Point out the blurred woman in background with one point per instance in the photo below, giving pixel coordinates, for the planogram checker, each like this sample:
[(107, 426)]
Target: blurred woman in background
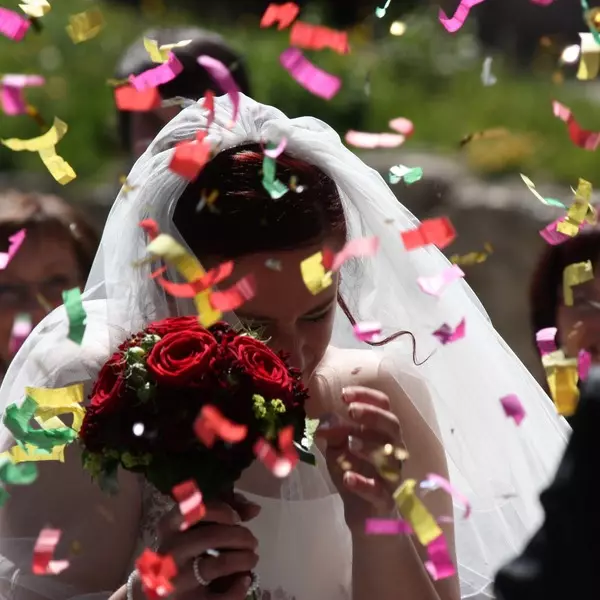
[(138, 129), (56, 255)]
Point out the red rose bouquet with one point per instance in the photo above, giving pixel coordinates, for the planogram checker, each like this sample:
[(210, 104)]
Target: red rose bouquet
[(178, 402)]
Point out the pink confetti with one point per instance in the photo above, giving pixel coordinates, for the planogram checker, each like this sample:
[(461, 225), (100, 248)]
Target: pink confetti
[(434, 482), (15, 243), (439, 565), (367, 331), (233, 297), (13, 25), (584, 364), (387, 527), (513, 407), (403, 126), (318, 82), (583, 138), (276, 152), (190, 503), (11, 92), (542, 2), (157, 75), (44, 551), (545, 340), (447, 335), (460, 16), (353, 249), (363, 139), (554, 237), (21, 329), (220, 73), (280, 465), (435, 285)]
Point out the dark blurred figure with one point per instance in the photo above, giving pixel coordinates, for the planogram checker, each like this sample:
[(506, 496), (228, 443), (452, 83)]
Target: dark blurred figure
[(56, 255), (561, 560), (578, 325), (138, 129)]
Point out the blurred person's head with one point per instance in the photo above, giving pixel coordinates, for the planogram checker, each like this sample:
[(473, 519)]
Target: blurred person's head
[(56, 255), (578, 326), (138, 129)]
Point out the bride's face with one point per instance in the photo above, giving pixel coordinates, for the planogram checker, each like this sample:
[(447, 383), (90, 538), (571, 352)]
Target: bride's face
[(292, 319)]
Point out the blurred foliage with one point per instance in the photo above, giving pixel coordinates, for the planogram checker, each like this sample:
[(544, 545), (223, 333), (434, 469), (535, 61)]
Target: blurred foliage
[(427, 75)]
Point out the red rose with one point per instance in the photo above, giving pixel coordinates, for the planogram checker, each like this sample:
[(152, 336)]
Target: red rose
[(174, 324), (109, 384), (269, 372), (181, 358)]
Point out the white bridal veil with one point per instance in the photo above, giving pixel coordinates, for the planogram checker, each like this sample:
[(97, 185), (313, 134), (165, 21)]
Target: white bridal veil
[(500, 467)]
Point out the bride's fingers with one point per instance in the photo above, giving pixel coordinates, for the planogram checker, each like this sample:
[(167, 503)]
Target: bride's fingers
[(357, 393), (373, 490), (375, 420), (215, 513), (237, 591)]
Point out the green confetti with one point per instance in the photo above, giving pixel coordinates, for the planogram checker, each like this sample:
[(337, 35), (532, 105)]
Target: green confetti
[(76, 314), (276, 188), (11, 474), (17, 420), (381, 10), (407, 174)]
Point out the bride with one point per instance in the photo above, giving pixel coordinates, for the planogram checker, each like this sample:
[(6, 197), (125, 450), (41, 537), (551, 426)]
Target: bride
[(305, 536)]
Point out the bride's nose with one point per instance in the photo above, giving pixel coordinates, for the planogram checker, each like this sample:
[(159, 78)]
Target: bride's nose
[(292, 345)]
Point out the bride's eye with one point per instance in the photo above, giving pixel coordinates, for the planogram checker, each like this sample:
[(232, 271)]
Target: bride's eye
[(320, 316)]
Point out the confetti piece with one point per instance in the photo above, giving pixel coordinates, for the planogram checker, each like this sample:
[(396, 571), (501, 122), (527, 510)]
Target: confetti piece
[(460, 16), (274, 186), (555, 237), (317, 37), (575, 274), (189, 498), (318, 82), (387, 527), (472, 258), (240, 292), (589, 57), (362, 139), (189, 158), (409, 175), (281, 465), (543, 2), (220, 73), (273, 264), (584, 364), (581, 210), (85, 25), (439, 565), (314, 275), (381, 10), (356, 248), (47, 140), (207, 200), (156, 76), (431, 231), (212, 425), (588, 140), (436, 482), (160, 54), (402, 125), (487, 78), (193, 288), (44, 551), (11, 92), (562, 376), (21, 329), (546, 201), (12, 474), (128, 98), (275, 152), (15, 242), (447, 335), (436, 284), (12, 25), (546, 340), (513, 407), (156, 573), (35, 8), (282, 14), (590, 17), (76, 314), (367, 331), (414, 511), (58, 167)]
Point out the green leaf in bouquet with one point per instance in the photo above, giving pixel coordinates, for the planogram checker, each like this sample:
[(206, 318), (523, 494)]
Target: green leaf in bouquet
[(108, 481), (305, 456)]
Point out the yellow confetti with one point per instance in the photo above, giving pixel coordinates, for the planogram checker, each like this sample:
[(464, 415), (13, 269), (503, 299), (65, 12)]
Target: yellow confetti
[(35, 8), (415, 512), (59, 168), (85, 26), (562, 376), (314, 275), (388, 461), (165, 247), (160, 54), (472, 258), (581, 210), (47, 140), (575, 274), (589, 62), (126, 187)]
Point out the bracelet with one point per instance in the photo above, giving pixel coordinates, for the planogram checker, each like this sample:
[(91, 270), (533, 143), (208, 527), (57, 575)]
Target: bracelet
[(133, 577)]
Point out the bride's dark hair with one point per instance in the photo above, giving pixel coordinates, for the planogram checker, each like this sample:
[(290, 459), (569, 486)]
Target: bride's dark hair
[(246, 220)]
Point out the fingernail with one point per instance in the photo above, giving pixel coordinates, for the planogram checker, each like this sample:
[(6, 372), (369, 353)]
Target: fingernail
[(355, 443), (236, 518), (328, 421), (355, 412), (350, 479), (348, 395), (247, 581)]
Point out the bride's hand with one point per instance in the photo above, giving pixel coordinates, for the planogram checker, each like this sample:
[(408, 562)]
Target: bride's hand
[(368, 425), (220, 529)]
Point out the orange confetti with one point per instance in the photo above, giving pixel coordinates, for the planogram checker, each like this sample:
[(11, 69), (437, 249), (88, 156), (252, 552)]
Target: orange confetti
[(211, 424), (282, 14)]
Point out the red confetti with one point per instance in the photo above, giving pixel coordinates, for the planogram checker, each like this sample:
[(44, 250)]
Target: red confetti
[(211, 424), (156, 573), (283, 14), (235, 296), (209, 104), (190, 157), (280, 465), (438, 231), (150, 226), (189, 290), (317, 37), (128, 98), (588, 140), (158, 273), (44, 551), (190, 502)]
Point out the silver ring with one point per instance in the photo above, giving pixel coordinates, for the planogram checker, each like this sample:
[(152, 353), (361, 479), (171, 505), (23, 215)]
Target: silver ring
[(197, 575)]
